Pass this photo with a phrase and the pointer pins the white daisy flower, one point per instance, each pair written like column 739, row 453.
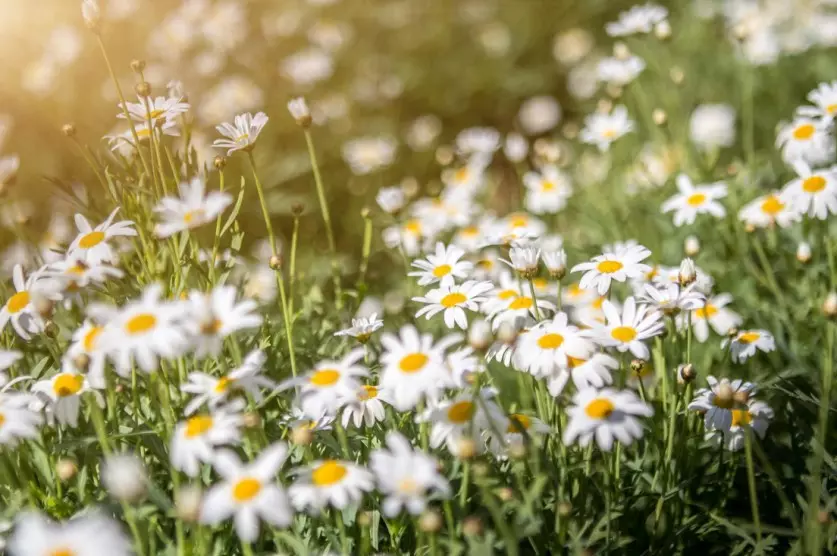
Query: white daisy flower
column 7, row 359
column 463, row 417
column 195, row 439
column 747, row 342
column 769, row 210
column 605, row 414
column 92, row 534
column 714, row 314
column 824, row 98
column 671, row 298
column 574, row 295
column 619, row 266
column 619, row 71
column 524, row 260
column 362, row 328
column 298, row 419
column 123, row 142
column 594, row 371
column 519, row 312
column 391, row 199
column 693, row 200
column 76, row 275
column 365, row 407
column 603, row 129
column 484, row 140
column 453, row 300
column 814, row 192
column 92, row 244
column 213, row 316
column 192, row 209
column 628, row 330
column 547, row 191
column 367, row 154
column 63, row 395
column 443, row 267
column 756, row 417
column 641, row 375
column 216, row 390
column 21, row 308
column 330, row 483
column 515, row 226
column 470, row 176
column 718, row 402
column 806, row 139
column 158, row 110
column 406, row 476
column 19, row 420
column 712, row 126
column 520, row 429
column 639, row 19
column 463, row 363
column 241, row 135
column 555, row 262
column 248, row 492
column 548, row 346
column 322, row 389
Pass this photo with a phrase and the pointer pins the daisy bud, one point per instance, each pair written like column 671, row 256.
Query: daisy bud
column 824, row 517
column 91, row 13
column 364, row 519
column 637, row 365
column 302, row 436
column 472, row 526
column 124, row 477
column 430, row 522
column 505, row 494
column 275, row 262
column 732, row 332
column 829, row 306
column 466, row 448
column 663, row 30
column 507, row 333
column 297, row 209
column 51, row 329
column 525, row 261
column 220, row 162
column 44, row 307
column 725, row 396
column 688, row 273
column 143, row 88
column 364, row 212
column 137, row 66
column 391, row 199
column 686, row 373
column 564, row 509
column 677, row 75
column 187, row 503
column 252, row 420
column 515, row 147
column 556, row 263
column 66, row 469
column 69, row 130
column 691, row 246
column 621, row 51
column 659, row 116
column 300, row 112
column 119, row 388
column 81, row 361
column 479, row 335
column 803, row 252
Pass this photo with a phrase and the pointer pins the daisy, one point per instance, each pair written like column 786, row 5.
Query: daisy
column 123, row 142
column 712, row 314
column 636, row 20
column 452, row 300
column 17, row 418
column 406, row 476
column 195, row 439
column 619, row 71
column 215, row 315
column 619, row 266
column 21, row 308
column 484, row 140
column 605, row 414
column 63, row 393
column 324, row 387
column 575, row 295
column 824, row 98
column 362, row 328
column 519, row 311
column 468, row 177
column 391, row 199
column 141, row 331
column 463, row 364
column 524, row 260
column 641, row 375
column 297, row 419
column 330, row 482
column 718, row 402
column 671, row 298
column 806, row 139
column 413, row 367
column 814, row 192
column 367, row 154
column 521, row 428
column 158, row 110
column 547, row 191
column 594, row 371
column 627, row 331
column 7, row 359
column 77, row 275
column 755, row 416
column 603, row 129
column 242, row 134
column 365, row 407
column 92, row 244
column 463, row 417
column 248, row 492
column 745, row 344
column 192, row 209
column 216, row 390
column 769, row 210
column 92, row 534
column 549, row 345
column 693, row 200
column 442, row 267
column 555, row 262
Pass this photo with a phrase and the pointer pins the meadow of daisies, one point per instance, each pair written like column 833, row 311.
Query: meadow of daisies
column 605, row 328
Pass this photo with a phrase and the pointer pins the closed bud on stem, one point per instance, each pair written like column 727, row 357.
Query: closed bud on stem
column 505, row 494
column 725, row 396
column 143, row 88
column 466, row 448
column 297, row 209
column 51, row 329
column 220, row 162
column 364, row 213
column 564, row 509
column 92, row 14
column 686, row 373
column 187, row 503
column 662, row 30
column 829, row 306
column 472, row 526
column 677, row 75
column 507, row 333
column 66, row 469
column 81, row 362
column 479, row 335
column 275, row 262
column 732, row 332
column 137, row 66
column 803, row 252
column 364, row 519
column 691, row 246
column 300, row 112
column 621, row 51
column 252, row 420
column 481, row 470
column 302, row 436
column 824, row 516
column 688, row 273
column 44, row 307
column 69, row 130
column 659, row 116
column 637, row 365
column 430, row 522
column 125, row 478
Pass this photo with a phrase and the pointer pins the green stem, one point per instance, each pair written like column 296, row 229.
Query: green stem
column 286, row 316
column 751, row 483
column 292, row 277
column 263, row 203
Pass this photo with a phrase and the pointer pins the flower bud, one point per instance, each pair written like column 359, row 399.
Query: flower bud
column 124, row 477
column 365, row 212
column 302, row 436
column 187, row 503
column 430, row 522
column 297, row 209
column 677, row 75
column 686, row 373
column 51, row 329
column 66, row 469
column 687, row 274
column 724, row 397
column 691, row 246
column 91, row 13
column 507, row 333
column 556, row 263
column 472, row 526
column 275, row 262
column 621, row 51
column 220, row 162
column 137, row 66
column 466, row 448
column 251, row 420
column 479, row 335
column 300, row 112
column 564, row 509
column 505, row 494
column 444, row 155
column 803, row 252
column 662, row 30
column 659, row 116
column 637, row 365
column 364, row 519
column 69, row 130
column 829, row 306
column 81, row 362
column 143, row 89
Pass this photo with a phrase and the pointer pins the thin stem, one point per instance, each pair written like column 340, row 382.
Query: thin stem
column 263, row 203
column 751, row 483
column 292, row 277
column 814, row 527
column 287, row 318
column 535, row 300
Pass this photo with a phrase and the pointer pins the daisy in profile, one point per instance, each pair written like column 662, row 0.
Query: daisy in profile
column 516, row 226
column 671, row 298
column 158, row 109
column 442, row 267
column 322, row 389
column 248, row 492
column 215, row 315
column 407, row 477
column 453, row 300
column 692, row 200
column 603, row 129
column 20, row 420
column 413, row 367
column 330, row 483
column 806, row 139
column 718, row 402
column 520, row 429
column 713, row 314
column 92, row 534
column 463, row 417
column 609, row 266
column 746, row 343
column 824, row 99
column 192, row 209
column 21, row 308
column 63, row 394
column 92, row 245
column 241, row 135
column 195, row 439
column 362, row 328
column 547, row 191
column 548, row 346
column 524, row 260
column 595, row 371
column 814, row 192
column 618, row 71
column 639, row 19
column 755, row 416
column 75, row 275
column 605, row 414
column 142, row 331
column 627, row 331
column 519, row 312
column 214, row 391
column 365, row 407
column 298, row 419
column 769, row 210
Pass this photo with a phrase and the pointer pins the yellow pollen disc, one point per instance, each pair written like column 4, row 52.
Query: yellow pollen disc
column 223, row 385
column 191, row 215
column 367, row 392
column 198, row 425
column 547, row 186
column 246, row 489
column 461, row 412
column 328, row 473
column 211, row 327
column 831, row 108
column 575, row 291
column 623, row 333
column 772, row 205
column 813, row 184
column 519, row 221
column 325, row 377
column 442, row 270
column 652, row 273
column 507, row 294
column 76, row 270
column 453, row 299
column 599, row 408
column 518, row 422
column 470, row 231
column 609, row 133
column 749, row 337
column 696, row 199
column 91, row 240
column 154, row 114
column 89, row 340
column 705, row 312
column 2, row 419
column 609, row 267
column 408, row 486
column 413, row 226
column 143, row 132
column 741, row 417
column 541, row 283
column 413, row 362
column 550, row 341
column 242, row 137
column 18, row 302
column 62, row 552
column 461, row 174
column 485, row 264
column 803, row 132
column 141, row 323
column 521, row 303
column 597, row 304
column 723, row 403
column 67, row 384
column 574, row 362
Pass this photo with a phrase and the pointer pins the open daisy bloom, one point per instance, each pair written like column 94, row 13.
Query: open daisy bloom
column 639, row 19
column 746, row 343
column 628, row 330
column 242, row 134
column 158, row 109
column 713, row 314
column 36, row 535
column 605, row 415
column 602, row 130
column 550, row 345
column 754, row 416
column 63, row 392
column 442, row 267
column 331, row 482
column 213, row 316
column 365, row 408
column 612, row 265
column 692, row 200
column 214, row 390
column 192, row 209
column 547, row 191
column 453, row 300
column 770, row 210
column 195, row 439
column 92, row 245
column 362, row 328
column 806, row 139
column 21, row 308
column 814, row 192
column 463, row 417
column 322, row 389
column 721, row 400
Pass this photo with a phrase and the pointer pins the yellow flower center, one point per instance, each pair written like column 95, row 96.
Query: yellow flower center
column 18, row 302
column 91, row 240
column 623, row 333
column 413, row 226
column 609, row 133
column 67, row 384
column 749, row 337
column 76, row 270
column 461, row 412
column 442, row 270
column 453, row 299
column 521, row 303
column 609, row 267
column 599, row 408
column 831, row 108
column 198, row 425
column 89, row 340
column 541, row 283
column 518, row 422
column 574, row 362
column 705, row 312
column 507, row 294
column 141, row 323
column 696, row 199
column 408, row 486
column 325, row 377
column 723, row 402
column 246, row 489
column 193, row 215
column 813, row 184
column 772, row 205
column 547, row 185
column 803, row 132
column 156, row 113
column 413, row 362
column 461, row 174
column 223, row 384
column 741, row 417
column 328, row 473
column 2, row 419
column 242, row 137
column 550, row 341
column 367, row 392
column 519, row 221
column 62, row 552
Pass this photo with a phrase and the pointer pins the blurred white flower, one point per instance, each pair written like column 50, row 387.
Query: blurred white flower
column 539, row 114
column 712, row 125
